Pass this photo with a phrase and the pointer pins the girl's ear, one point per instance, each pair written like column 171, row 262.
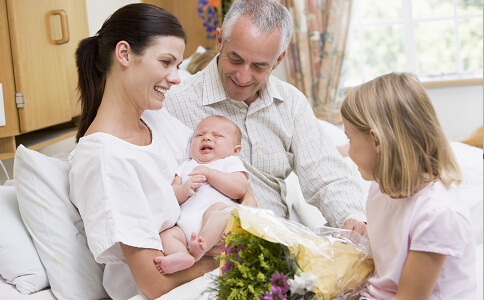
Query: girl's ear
column 376, row 140
column 122, row 52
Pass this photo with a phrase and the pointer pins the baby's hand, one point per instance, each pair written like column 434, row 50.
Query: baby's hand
column 194, row 182
column 200, row 170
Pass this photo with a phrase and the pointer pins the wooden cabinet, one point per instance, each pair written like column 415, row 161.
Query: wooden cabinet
column 37, row 45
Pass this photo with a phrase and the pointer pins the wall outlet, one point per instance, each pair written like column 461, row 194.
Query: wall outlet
column 2, row 108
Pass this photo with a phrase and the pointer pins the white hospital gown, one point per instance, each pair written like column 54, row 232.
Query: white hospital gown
column 124, row 194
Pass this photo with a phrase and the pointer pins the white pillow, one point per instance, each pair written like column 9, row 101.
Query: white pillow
column 42, row 185
column 471, row 189
column 19, row 262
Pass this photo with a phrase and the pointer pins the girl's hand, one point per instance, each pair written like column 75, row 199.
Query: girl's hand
column 194, row 182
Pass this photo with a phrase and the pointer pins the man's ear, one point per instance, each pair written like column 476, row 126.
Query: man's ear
column 122, row 52
column 279, row 59
column 237, row 150
column 218, row 39
column 376, row 140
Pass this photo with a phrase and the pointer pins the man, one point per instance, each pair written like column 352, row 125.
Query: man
column 280, row 133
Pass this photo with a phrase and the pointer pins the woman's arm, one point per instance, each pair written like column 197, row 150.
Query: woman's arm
column 419, row 275
column 150, row 281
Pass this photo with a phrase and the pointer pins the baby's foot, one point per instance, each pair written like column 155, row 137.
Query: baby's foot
column 173, row 263
column 197, row 246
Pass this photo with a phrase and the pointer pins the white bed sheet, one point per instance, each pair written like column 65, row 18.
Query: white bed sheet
column 9, row 292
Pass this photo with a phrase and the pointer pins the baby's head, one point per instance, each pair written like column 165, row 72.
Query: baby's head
column 215, row 137
column 395, row 112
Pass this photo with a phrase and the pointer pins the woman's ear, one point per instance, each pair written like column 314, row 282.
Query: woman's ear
column 122, row 52
column 376, row 140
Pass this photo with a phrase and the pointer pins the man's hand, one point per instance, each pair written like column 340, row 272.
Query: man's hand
column 356, row 226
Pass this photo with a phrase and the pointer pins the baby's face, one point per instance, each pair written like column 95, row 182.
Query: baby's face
column 214, row 139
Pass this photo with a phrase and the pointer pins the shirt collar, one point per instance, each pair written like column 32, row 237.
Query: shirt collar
column 213, row 90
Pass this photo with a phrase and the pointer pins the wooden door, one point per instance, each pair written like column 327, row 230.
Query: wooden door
column 78, row 30
column 39, row 62
column 6, row 77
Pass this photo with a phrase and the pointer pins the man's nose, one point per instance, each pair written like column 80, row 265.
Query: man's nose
column 244, row 75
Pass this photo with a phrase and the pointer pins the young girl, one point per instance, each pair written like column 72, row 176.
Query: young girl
column 420, row 233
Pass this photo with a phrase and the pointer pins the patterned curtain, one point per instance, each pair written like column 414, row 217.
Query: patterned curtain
column 315, row 54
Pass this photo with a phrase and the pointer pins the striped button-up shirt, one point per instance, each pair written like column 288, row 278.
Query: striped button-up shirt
column 280, row 134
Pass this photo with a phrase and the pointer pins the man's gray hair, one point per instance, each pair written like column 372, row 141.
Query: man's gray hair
column 265, row 15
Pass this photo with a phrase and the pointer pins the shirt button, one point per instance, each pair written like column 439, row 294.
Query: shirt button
column 256, row 148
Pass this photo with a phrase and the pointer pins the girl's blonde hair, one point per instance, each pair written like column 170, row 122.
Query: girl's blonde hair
column 414, row 149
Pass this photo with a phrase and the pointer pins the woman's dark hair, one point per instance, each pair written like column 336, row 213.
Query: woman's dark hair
column 138, row 24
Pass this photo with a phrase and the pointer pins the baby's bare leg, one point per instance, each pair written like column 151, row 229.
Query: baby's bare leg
column 213, row 224
column 176, row 254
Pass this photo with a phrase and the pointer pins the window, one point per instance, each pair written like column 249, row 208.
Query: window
column 435, row 39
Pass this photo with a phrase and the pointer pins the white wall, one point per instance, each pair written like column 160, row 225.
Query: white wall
column 99, row 11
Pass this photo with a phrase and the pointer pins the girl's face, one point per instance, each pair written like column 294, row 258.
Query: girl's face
column 364, row 150
column 154, row 72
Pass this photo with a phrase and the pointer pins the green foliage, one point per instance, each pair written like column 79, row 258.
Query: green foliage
column 253, row 266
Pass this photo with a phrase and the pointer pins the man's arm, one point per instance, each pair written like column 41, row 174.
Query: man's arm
column 325, row 178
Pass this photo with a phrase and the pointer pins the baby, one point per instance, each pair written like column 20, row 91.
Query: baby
column 204, row 186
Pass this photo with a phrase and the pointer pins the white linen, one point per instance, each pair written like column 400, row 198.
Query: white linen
column 42, row 188
column 191, row 211
column 124, row 194
column 20, row 264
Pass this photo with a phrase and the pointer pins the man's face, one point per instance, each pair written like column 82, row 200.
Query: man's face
column 247, row 60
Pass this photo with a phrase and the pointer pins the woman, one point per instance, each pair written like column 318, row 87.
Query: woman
column 129, row 148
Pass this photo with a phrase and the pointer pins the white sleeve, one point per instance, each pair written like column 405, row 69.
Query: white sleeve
column 234, row 164
column 105, row 188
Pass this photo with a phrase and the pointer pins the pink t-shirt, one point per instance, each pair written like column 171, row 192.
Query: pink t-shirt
column 433, row 220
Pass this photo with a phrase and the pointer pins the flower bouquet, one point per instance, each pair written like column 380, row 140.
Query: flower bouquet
column 265, row 257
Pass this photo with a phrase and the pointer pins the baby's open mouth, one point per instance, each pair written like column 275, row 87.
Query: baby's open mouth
column 206, row 148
